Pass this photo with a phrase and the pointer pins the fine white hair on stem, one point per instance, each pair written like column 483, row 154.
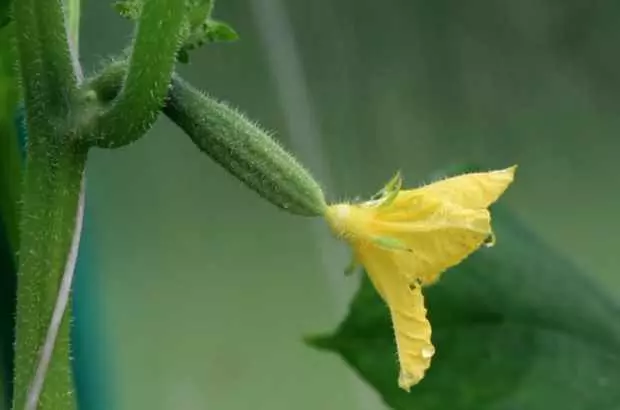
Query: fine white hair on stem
column 62, row 300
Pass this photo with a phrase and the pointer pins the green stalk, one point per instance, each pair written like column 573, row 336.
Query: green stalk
column 153, row 55
column 52, row 181
column 48, row 74
column 62, row 121
column 52, row 186
column 73, row 10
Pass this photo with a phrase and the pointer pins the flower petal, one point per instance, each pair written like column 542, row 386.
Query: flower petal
column 436, row 243
column 411, row 327
column 474, row 191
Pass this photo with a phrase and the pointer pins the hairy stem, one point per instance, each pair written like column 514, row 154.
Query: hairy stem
column 52, row 186
column 48, row 71
column 150, row 66
column 60, row 307
column 52, row 181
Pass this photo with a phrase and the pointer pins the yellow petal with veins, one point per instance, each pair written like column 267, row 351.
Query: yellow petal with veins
column 475, row 190
column 412, row 330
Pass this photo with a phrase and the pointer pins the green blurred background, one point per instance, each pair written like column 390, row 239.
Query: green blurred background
column 206, row 290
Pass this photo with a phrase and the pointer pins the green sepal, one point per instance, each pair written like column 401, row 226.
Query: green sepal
column 389, row 192
column 490, row 240
column 352, row 266
column 391, row 244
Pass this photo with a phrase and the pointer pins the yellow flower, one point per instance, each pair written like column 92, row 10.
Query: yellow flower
column 406, row 238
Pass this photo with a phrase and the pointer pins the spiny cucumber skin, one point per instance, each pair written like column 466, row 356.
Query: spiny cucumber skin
column 245, row 150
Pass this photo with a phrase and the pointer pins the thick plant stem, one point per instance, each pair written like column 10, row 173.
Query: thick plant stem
column 48, row 72
column 63, row 299
column 51, row 190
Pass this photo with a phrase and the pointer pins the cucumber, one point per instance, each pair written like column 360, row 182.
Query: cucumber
column 245, row 150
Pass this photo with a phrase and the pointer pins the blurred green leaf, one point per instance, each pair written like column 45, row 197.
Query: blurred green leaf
column 515, row 327
column 5, row 12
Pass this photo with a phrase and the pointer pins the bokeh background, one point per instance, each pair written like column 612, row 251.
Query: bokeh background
column 201, row 291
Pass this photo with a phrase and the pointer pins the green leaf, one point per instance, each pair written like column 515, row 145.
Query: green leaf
column 207, row 31
column 515, row 327
column 220, row 31
column 5, row 12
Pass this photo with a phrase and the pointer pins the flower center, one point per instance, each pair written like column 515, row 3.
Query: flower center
column 338, row 217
